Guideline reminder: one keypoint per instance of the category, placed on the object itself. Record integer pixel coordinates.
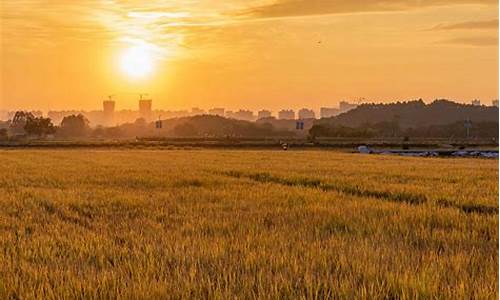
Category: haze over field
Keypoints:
(250, 54)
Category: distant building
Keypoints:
(216, 112)
(494, 103)
(195, 111)
(262, 114)
(327, 112)
(476, 102)
(306, 113)
(168, 114)
(345, 106)
(286, 115)
(245, 115)
(145, 109)
(108, 108)
(125, 116)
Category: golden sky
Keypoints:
(62, 54)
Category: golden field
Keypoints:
(149, 224)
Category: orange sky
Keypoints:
(63, 54)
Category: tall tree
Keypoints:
(39, 126)
(19, 121)
(74, 126)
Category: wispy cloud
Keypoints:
(159, 23)
(483, 41)
(191, 24)
(472, 25)
(153, 15)
(293, 8)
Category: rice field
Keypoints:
(246, 224)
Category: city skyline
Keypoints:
(110, 116)
(127, 105)
(275, 53)
(145, 110)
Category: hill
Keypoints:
(206, 125)
(287, 125)
(414, 114)
(441, 118)
(198, 126)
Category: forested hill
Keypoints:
(206, 125)
(414, 114)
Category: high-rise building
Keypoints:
(476, 102)
(286, 114)
(145, 109)
(306, 113)
(108, 109)
(494, 103)
(245, 115)
(328, 112)
(216, 112)
(345, 106)
(264, 114)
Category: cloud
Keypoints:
(472, 25)
(294, 8)
(483, 41)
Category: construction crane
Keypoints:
(141, 96)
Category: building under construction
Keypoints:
(108, 109)
(145, 108)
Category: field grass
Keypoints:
(148, 224)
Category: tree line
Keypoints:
(440, 119)
(27, 124)
(391, 129)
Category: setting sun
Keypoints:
(137, 62)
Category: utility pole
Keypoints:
(468, 125)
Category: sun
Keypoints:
(137, 62)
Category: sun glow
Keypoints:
(137, 62)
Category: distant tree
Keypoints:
(19, 121)
(141, 122)
(98, 132)
(113, 132)
(386, 128)
(4, 134)
(319, 130)
(185, 129)
(267, 127)
(20, 117)
(74, 126)
(39, 126)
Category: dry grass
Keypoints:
(246, 224)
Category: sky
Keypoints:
(249, 54)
